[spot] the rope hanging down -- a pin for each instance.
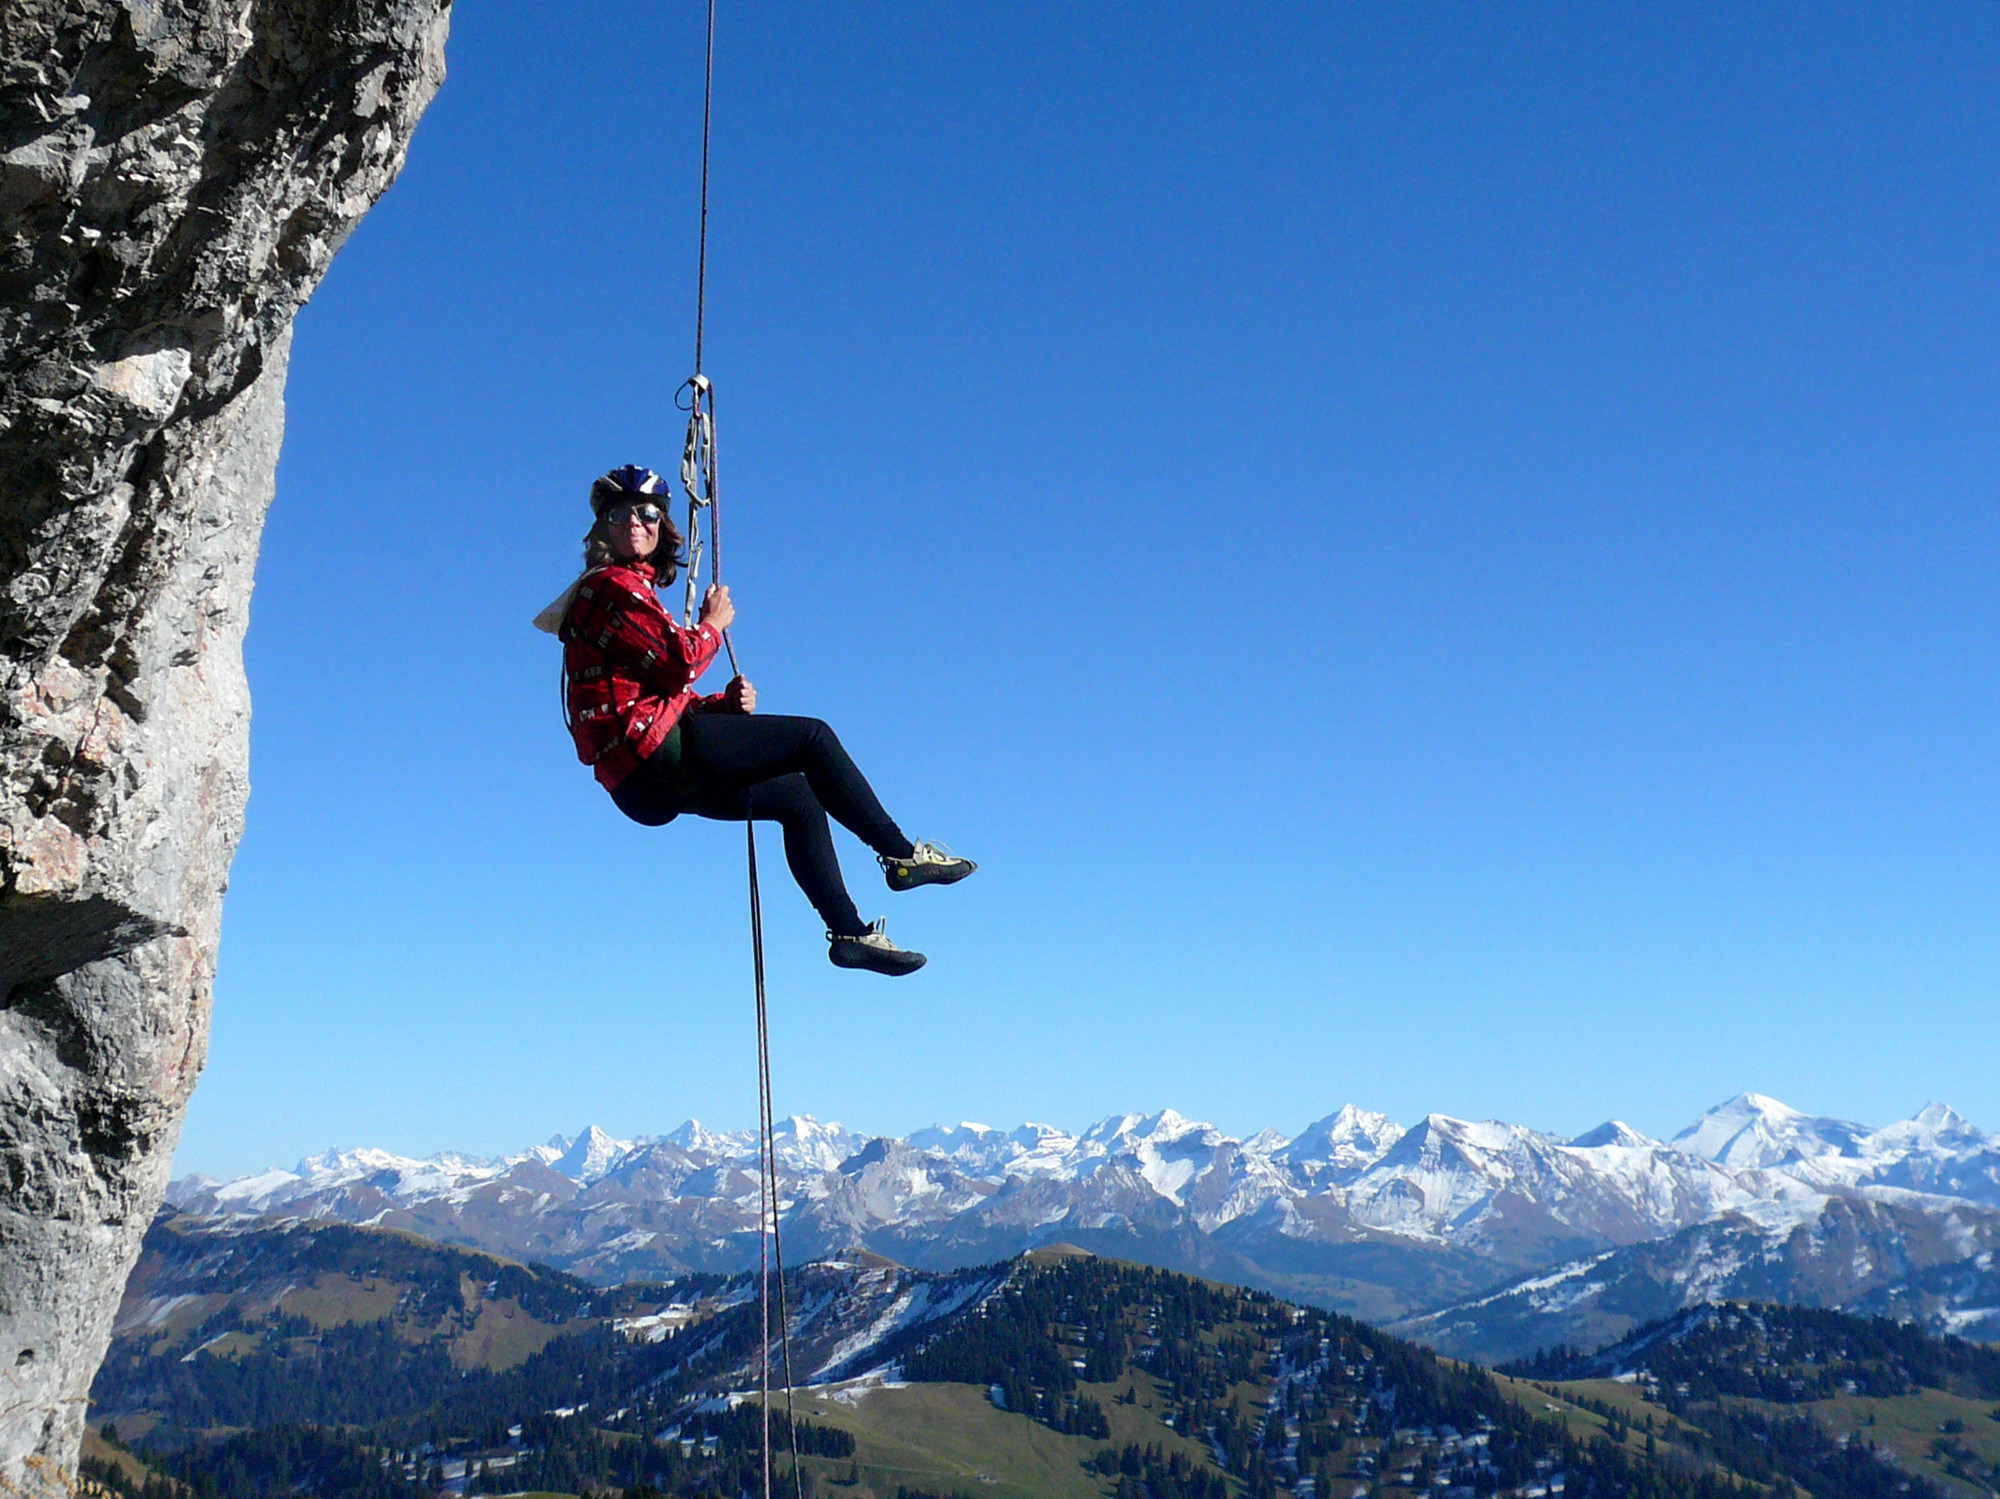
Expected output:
(698, 482)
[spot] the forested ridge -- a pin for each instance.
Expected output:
(1732, 1382)
(1786, 1354)
(1281, 1394)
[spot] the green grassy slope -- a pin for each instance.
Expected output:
(1918, 1428)
(952, 1439)
(948, 1438)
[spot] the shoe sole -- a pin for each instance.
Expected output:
(911, 962)
(927, 874)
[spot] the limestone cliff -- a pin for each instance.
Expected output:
(174, 177)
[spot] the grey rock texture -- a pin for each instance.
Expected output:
(175, 176)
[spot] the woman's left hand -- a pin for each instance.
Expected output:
(740, 695)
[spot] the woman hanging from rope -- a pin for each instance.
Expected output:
(661, 750)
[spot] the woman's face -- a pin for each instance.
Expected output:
(633, 528)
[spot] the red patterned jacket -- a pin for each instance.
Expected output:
(628, 669)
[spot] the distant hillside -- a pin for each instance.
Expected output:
(1899, 1258)
(484, 1311)
(267, 1360)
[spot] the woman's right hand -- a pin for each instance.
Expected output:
(715, 607)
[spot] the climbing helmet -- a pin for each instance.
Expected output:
(629, 479)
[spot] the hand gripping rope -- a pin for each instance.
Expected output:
(698, 483)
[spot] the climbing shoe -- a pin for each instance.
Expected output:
(872, 950)
(928, 864)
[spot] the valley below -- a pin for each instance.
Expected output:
(263, 1357)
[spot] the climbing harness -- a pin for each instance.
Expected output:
(698, 483)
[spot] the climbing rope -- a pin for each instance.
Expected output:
(701, 261)
(768, 1134)
(699, 484)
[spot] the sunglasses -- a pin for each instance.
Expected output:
(646, 515)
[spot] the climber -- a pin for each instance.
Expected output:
(661, 750)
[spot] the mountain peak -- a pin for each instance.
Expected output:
(1344, 1142)
(1611, 1132)
(1752, 1131)
(1131, 1129)
(1767, 1106)
(1938, 1117)
(590, 1155)
(1733, 1114)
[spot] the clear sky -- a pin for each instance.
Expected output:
(1440, 555)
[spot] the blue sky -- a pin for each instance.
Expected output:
(1439, 555)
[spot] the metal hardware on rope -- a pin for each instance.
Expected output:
(699, 484)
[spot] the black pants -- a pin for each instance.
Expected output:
(791, 771)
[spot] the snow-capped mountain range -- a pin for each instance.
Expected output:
(1355, 1211)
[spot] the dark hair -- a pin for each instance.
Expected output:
(667, 559)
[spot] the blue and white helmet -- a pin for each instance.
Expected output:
(621, 483)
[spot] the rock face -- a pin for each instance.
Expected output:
(175, 176)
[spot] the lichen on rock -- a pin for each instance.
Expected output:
(175, 176)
